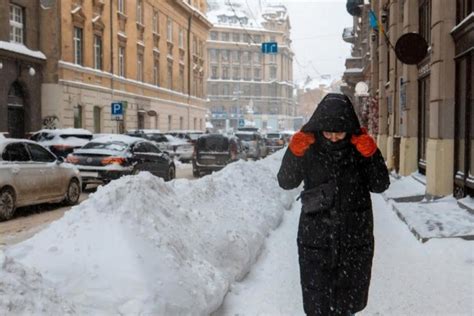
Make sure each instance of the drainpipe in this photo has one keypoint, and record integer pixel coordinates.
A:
(189, 62)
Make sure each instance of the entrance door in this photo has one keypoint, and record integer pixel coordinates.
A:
(16, 112)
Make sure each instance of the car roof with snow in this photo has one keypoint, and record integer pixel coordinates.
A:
(145, 131)
(118, 138)
(65, 131)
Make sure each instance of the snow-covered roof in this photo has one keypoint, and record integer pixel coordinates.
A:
(21, 49)
(324, 81)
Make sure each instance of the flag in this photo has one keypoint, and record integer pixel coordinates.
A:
(374, 22)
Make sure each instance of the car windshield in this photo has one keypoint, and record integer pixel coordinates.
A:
(82, 136)
(213, 144)
(115, 146)
(274, 135)
(246, 137)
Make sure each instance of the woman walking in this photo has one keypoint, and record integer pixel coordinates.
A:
(339, 164)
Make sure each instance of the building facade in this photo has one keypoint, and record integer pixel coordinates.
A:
(246, 86)
(147, 54)
(21, 65)
(425, 110)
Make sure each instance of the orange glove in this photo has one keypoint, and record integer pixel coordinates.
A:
(300, 142)
(364, 143)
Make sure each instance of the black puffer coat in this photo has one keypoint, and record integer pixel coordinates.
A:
(335, 245)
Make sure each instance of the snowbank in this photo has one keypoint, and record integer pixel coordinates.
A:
(24, 292)
(143, 246)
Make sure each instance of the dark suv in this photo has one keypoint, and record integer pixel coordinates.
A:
(213, 152)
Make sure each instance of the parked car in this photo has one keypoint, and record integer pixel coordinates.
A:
(176, 147)
(188, 135)
(274, 142)
(213, 152)
(30, 174)
(62, 142)
(255, 143)
(110, 157)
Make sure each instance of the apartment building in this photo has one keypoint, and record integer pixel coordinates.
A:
(149, 55)
(425, 110)
(246, 86)
(21, 64)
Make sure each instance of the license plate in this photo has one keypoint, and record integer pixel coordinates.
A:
(207, 157)
(89, 174)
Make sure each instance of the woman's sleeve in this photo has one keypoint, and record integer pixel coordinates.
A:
(377, 173)
(291, 171)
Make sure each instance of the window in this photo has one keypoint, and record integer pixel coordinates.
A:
(257, 38)
(156, 72)
(225, 89)
(181, 122)
(424, 12)
(273, 72)
(169, 30)
(15, 152)
(121, 6)
(140, 67)
(97, 52)
(195, 48)
(78, 116)
(169, 122)
(181, 38)
(257, 58)
(247, 73)
(257, 74)
(121, 61)
(225, 36)
(181, 77)
(225, 56)
(39, 154)
(78, 45)
(140, 11)
(236, 57)
(213, 55)
(423, 121)
(214, 72)
(225, 72)
(246, 57)
(236, 37)
(246, 38)
(464, 8)
(236, 73)
(156, 24)
(170, 75)
(257, 90)
(246, 89)
(16, 24)
(141, 119)
(97, 119)
(214, 35)
(195, 123)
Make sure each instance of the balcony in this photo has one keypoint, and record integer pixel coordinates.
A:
(348, 35)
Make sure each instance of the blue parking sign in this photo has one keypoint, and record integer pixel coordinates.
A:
(117, 108)
(241, 122)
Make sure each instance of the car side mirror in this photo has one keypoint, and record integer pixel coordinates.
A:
(59, 160)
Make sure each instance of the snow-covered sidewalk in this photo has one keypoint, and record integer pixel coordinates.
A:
(409, 278)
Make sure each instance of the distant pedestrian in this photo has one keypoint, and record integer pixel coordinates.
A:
(339, 164)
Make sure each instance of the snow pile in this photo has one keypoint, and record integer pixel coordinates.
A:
(24, 292)
(143, 246)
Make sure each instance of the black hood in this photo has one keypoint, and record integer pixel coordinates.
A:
(334, 113)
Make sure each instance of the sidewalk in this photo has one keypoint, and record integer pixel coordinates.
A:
(427, 219)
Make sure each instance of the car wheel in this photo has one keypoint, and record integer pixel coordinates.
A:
(7, 204)
(73, 192)
(171, 173)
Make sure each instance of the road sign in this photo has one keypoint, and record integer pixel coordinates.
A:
(270, 48)
(241, 122)
(117, 110)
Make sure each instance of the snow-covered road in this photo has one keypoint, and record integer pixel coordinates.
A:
(409, 278)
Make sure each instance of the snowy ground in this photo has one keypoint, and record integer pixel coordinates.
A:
(140, 246)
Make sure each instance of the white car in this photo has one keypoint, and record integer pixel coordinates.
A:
(179, 148)
(30, 174)
(64, 141)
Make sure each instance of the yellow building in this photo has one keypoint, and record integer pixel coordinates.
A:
(149, 54)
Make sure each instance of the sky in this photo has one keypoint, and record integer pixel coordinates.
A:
(316, 32)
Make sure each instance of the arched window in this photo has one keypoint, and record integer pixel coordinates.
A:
(78, 116)
(97, 119)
